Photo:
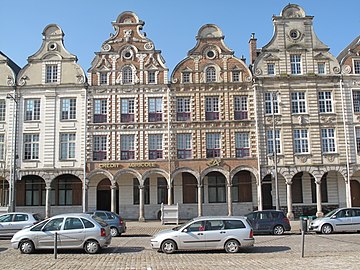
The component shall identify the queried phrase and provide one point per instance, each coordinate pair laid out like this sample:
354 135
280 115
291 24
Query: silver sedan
10 223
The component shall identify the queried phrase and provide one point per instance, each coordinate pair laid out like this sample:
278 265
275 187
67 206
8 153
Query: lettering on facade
142 165
214 162
109 165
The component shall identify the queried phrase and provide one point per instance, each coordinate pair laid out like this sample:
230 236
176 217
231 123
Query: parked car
269 221
338 220
74 231
116 222
229 233
10 223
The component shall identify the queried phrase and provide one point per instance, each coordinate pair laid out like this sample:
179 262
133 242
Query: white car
74 231
10 223
229 233
338 220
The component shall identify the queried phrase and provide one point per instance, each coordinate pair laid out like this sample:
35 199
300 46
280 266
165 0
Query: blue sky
171 25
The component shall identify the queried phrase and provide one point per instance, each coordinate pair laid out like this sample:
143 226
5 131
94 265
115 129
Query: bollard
55 245
304 228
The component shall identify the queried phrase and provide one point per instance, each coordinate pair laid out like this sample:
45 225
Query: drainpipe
84 197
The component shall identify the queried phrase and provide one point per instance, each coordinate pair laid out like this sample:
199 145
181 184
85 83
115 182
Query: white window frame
156 145
31 146
236 76
2 110
103 78
51 73
68 108
210 73
100 145
321 66
127 75
298 102
67 146
2 146
356 66
328 140
184 145
270 141
127 146
271 103
301 141
295 64
325 102
242 144
32 109
271 68
213 143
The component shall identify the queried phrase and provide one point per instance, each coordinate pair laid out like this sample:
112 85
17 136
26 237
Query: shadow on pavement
135 235
268 249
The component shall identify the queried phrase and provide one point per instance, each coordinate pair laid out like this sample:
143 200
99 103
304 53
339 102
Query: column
319 212
259 197
141 203
169 194
229 200
47 201
113 198
200 199
290 214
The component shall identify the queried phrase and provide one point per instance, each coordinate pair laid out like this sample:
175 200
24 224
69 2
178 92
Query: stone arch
187 170
214 169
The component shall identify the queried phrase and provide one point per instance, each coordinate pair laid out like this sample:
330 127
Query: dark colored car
269 221
116 222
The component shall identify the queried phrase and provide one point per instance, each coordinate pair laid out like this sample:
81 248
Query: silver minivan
229 233
74 231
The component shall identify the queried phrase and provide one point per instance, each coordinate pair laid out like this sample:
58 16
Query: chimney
252 43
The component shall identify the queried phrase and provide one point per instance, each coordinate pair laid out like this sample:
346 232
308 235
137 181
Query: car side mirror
185 230
333 217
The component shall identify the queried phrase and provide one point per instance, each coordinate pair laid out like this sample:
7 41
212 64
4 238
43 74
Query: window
184 148
65 192
240 107
216 188
356 101
100 110
357 134
301 141
182 108
190 188
271 69
212 145
151 77
242 147
2 110
103 78
321 68
127 75
54 224
127 147
127 109
236 76
295 63
162 190
73 224
68 108
212 108
32 109
325 102
298 104
136 191
241 187
100 147
51 74
328 140
271 103
210 74
270 141
185 77
31 146
67 146
357 66
2 147
155 146
155 109
34 192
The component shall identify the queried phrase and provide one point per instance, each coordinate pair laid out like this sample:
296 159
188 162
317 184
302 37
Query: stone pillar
47 201
200 199
259 197
229 200
319 212
290 214
169 194
141 203
113 198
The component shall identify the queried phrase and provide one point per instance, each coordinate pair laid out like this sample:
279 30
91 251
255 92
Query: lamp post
273 99
12 200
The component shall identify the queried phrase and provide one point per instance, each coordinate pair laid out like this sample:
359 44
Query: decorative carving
329 119
346 69
80 79
106 47
303 158
330 158
23 80
248 79
127 34
258 71
336 70
10 81
148 46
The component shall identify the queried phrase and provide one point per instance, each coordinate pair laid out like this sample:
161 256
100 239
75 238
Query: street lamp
12 200
275 174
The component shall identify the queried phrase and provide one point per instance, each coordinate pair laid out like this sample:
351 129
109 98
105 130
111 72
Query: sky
172 25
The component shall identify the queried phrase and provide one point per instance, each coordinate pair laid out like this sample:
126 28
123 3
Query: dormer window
51 75
271 69
127 75
295 63
356 66
321 68
151 77
103 78
210 74
236 76
185 77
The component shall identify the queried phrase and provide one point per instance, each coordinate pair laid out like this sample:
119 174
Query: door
192 237
343 220
5 224
73 233
266 195
263 222
355 193
214 234
45 237
20 221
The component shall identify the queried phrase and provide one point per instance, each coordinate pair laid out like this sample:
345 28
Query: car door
20 221
342 221
263 222
356 219
5 224
214 233
192 237
45 237
72 234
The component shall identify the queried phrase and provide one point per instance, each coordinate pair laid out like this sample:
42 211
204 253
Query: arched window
127 75
210 74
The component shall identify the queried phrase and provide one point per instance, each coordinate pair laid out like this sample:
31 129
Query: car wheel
26 247
168 246
91 247
278 229
326 229
232 246
114 232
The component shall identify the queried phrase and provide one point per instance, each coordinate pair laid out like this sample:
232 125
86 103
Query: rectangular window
212 108
325 102
100 110
216 189
127 109
100 147
270 141
155 109
271 103
31 146
271 69
357 66
301 141
298 103
356 101
51 74
103 78
68 108
213 145
295 63
186 77
242 146
184 148
155 146
240 107
2 147
151 77
321 68
32 109
236 76
67 146
162 190
2 110
136 190
357 131
183 108
127 144
328 140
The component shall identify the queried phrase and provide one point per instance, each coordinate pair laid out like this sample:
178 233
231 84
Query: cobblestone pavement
133 251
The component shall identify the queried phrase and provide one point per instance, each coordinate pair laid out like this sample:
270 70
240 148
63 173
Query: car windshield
330 213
